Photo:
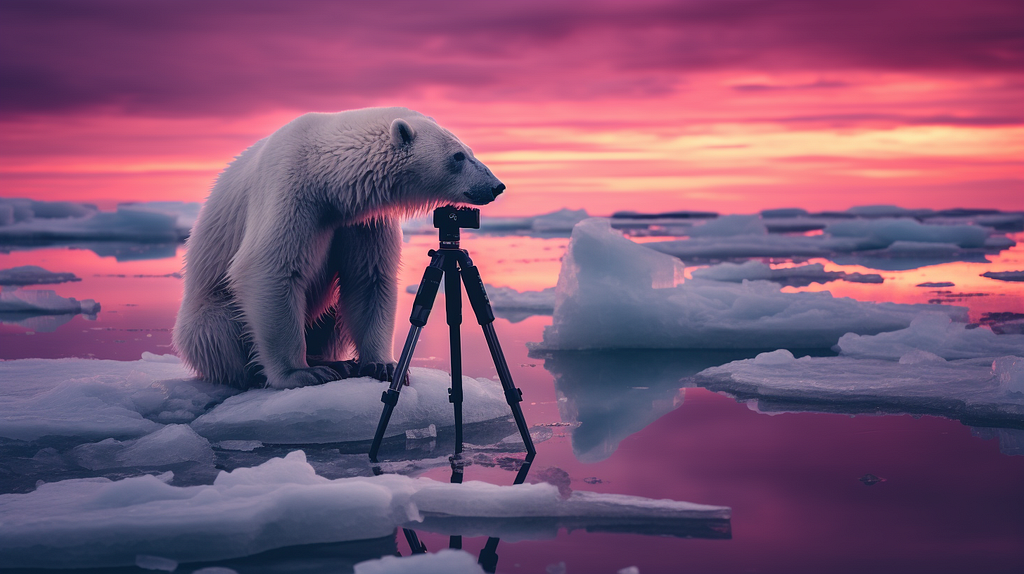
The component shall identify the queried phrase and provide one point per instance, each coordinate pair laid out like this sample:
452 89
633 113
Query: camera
451 217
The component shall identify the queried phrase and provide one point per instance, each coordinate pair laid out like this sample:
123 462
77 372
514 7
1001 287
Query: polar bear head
438 167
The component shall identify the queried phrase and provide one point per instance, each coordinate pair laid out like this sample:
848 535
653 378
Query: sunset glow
725 106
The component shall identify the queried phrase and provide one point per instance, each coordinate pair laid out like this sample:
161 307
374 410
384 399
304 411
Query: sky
724 105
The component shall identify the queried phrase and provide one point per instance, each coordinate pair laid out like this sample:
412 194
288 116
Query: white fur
299 242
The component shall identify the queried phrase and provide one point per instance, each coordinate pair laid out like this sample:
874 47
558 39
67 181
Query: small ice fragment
870 479
1005 275
240 445
215 570
778 357
446 561
936 284
416 434
147 562
154 358
556 568
1010 372
592 480
629 570
556 477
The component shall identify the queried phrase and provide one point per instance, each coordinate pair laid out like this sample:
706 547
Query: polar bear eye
459 156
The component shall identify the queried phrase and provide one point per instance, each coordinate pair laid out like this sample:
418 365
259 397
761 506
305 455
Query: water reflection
612 394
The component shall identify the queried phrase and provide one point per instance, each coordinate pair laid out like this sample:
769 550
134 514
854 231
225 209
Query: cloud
186 58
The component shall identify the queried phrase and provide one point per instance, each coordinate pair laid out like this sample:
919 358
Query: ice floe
1005 275
798 276
37 222
98 522
613 293
33 275
984 392
936 334
348 410
42 309
172 444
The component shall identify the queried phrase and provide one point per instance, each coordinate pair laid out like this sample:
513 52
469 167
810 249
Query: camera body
451 217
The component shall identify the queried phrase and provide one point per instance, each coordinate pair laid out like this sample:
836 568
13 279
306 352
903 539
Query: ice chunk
798 276
885 232
1005 275
43 302
446 561
509 298
283 502
976 391
169 445
98 399
934 333
729 225
348 410
613 293
33 275
127 223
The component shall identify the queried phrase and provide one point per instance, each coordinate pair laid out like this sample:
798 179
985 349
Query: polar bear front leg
366 257
269 277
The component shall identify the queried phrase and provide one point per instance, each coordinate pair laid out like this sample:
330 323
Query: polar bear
293 259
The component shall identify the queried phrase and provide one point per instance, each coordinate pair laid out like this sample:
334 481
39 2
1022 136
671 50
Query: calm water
950 501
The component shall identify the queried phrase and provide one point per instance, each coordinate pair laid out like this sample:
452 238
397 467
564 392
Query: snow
446 561
26 221
98 522
936 334
798 276
33 275
1005 275
613 293
347 410
978 391
93 399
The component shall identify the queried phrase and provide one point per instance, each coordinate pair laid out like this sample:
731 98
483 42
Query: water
949 499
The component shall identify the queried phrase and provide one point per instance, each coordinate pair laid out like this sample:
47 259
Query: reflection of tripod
449 261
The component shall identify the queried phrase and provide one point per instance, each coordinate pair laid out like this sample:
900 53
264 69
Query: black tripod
451 262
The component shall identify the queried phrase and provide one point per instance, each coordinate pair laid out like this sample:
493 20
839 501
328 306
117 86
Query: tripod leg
485 316
421 307
453 308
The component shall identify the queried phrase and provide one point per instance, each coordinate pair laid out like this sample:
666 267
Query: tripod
450 262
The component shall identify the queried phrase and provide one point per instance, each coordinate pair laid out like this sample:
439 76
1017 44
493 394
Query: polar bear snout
484 195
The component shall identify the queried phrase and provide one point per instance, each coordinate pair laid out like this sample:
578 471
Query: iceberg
981 392
613 293
33 275
447 561
99 522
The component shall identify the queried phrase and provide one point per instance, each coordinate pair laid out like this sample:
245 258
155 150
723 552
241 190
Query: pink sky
731 106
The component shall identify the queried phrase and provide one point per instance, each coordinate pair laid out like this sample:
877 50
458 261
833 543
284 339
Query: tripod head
449 219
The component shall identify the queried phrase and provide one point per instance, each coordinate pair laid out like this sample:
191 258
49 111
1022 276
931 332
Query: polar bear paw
306 377
381 371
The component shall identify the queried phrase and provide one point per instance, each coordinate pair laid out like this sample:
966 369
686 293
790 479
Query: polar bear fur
295 253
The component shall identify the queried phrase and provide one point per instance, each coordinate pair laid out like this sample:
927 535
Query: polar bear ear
402 133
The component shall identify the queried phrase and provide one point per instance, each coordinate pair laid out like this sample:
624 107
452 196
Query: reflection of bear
295 251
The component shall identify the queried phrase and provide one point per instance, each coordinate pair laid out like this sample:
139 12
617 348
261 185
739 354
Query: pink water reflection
951 502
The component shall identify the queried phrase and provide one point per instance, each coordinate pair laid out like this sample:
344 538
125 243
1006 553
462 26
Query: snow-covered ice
936 334
98 522
42 310
1005 275
798 276
33 275
172 444
986 392
613 293
347 410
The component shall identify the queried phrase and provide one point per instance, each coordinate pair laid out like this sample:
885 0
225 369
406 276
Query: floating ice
729 225
613 293
282 502
976 391
798 276
18 210
33 275
169 445
509 298
131 222
558 222
93 399
1005 275
43 302
446 561
936 334
347 410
